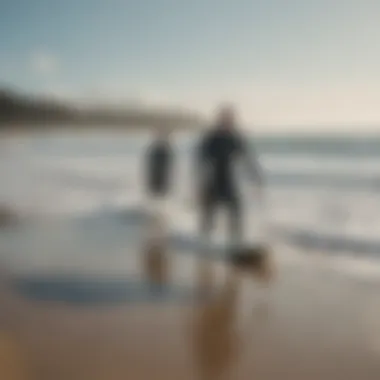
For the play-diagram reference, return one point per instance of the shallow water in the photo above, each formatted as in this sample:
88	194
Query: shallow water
83	195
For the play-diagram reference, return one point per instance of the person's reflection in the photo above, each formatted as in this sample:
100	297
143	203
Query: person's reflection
154	256
155	264
216	343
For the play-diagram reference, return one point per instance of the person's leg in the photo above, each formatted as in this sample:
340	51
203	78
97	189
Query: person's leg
235	218
206	223
155	225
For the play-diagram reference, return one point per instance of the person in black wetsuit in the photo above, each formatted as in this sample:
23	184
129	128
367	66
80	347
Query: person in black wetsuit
159	166
216	156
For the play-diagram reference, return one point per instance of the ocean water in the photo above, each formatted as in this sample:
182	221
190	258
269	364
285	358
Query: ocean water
83	202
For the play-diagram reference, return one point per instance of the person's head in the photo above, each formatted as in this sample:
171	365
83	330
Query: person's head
226	116
162	134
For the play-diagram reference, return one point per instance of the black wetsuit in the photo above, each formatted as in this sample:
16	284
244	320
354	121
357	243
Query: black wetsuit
159	163
216	157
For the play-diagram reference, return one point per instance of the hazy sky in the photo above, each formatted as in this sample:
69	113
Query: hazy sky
283	62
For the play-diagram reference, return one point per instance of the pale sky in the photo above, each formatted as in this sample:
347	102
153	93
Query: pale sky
286	64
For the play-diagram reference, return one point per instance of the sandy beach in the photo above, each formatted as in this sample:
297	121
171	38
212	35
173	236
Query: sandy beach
78	299
308	323
237	126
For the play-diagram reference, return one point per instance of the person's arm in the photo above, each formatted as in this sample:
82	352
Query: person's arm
199	162
251	162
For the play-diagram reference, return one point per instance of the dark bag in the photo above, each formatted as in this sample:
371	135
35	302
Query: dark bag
254	259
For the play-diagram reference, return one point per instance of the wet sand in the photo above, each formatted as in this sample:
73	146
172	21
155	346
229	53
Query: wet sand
308	323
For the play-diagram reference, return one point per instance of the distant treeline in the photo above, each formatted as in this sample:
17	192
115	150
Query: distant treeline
17	110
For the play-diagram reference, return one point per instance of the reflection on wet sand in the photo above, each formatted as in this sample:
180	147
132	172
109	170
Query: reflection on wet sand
155	260
319	328
216	343
216	335
155	264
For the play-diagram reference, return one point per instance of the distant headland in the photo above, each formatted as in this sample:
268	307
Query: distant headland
18	110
